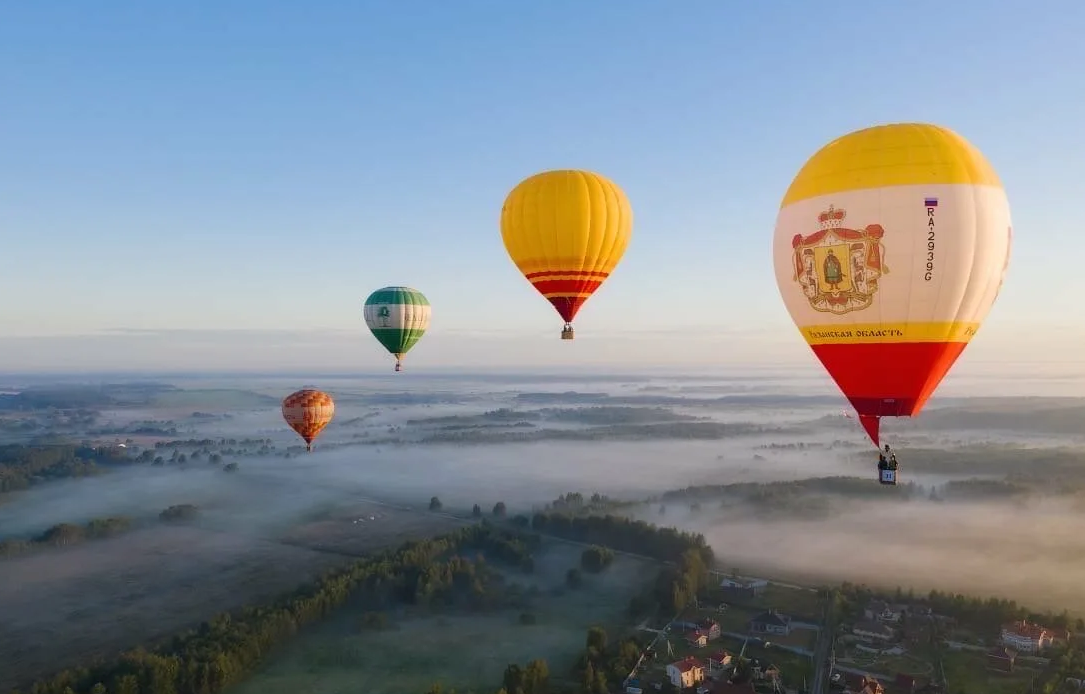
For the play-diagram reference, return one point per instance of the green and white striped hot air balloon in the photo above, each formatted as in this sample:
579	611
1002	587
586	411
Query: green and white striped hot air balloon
397	317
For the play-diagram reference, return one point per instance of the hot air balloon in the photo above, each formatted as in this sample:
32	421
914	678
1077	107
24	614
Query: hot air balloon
566	231
308	411
397	317
891	245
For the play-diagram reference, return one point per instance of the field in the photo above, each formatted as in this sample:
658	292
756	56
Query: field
800	603
463	650
73	605
918	663
966	672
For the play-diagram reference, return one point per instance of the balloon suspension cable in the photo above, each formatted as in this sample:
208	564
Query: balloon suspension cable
872	425
567	332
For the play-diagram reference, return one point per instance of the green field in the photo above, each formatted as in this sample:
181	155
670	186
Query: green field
798	603
967	673
462	650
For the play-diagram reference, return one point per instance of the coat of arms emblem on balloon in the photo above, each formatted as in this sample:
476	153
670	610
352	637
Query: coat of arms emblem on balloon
839	268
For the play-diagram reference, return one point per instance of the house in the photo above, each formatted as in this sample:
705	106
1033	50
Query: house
686	672
1001	659
697	639
1025	637
873	632
756	586
710	628
879	611
771	622
719	661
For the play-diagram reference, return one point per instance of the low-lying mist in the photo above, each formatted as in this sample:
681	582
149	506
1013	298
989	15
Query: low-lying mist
1034	553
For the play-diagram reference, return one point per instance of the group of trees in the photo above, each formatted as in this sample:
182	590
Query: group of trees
66	534
595	558
601	668
224	650
498	511
687	555
624	535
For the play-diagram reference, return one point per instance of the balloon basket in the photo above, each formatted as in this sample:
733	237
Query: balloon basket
567	332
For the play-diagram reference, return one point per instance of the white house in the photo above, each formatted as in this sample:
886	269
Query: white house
755	584
1025	637
873	631
883	612
686	673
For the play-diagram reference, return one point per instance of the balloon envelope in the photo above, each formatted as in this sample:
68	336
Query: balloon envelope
397	317
566	231
891	245
308	411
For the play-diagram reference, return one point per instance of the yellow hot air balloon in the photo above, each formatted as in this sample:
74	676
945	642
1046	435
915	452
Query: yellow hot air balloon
891	246
566	231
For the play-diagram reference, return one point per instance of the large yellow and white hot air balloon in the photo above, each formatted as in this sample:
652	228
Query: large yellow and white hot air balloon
566	231
891	245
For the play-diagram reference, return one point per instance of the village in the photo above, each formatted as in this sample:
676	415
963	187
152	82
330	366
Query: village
758	636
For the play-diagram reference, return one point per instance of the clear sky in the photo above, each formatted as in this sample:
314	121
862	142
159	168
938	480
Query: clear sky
259	166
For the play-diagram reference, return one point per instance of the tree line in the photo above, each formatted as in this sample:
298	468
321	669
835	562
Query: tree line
687	555
624	535
67	534
983	615
22	466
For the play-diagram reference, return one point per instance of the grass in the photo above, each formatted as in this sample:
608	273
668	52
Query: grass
461	650
800	604
967	673
917	663
902	665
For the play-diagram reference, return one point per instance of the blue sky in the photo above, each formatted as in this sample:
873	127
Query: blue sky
261	166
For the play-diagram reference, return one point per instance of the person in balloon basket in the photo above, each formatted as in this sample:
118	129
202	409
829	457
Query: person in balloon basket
887	466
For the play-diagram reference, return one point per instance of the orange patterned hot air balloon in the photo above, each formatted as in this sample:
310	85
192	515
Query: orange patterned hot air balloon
566	231
307	412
